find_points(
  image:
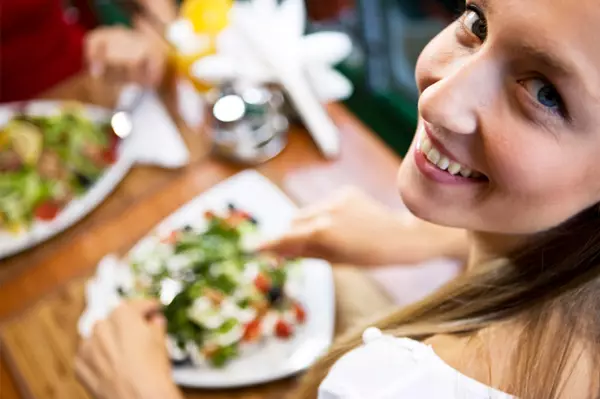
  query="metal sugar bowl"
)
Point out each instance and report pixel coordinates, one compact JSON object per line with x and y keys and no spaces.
{"x":247,"y":122}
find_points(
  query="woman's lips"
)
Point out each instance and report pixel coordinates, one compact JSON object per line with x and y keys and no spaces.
{"x":435,"y":163}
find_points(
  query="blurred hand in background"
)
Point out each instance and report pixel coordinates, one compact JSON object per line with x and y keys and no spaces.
{"x":120,"y":55}
{"x":355,"y":229}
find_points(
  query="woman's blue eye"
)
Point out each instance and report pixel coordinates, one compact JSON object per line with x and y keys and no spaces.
{"x":544,"y":93}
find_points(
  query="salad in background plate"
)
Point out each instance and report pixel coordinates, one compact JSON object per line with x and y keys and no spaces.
{"x":46,"y":161}
{"x":220,"y":299}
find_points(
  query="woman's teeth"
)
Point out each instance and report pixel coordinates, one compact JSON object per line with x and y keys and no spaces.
{"x":442,"y":162}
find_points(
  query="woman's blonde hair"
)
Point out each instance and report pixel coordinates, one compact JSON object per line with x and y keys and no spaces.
{"x":554,"y":277}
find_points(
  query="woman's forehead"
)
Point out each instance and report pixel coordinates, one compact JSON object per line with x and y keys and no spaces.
{"x":572,"y":22}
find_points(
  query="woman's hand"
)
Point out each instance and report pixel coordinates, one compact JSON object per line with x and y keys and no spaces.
{"x":126,"y":357}
{"x":353,"y":228}
{"x":125,"y":55}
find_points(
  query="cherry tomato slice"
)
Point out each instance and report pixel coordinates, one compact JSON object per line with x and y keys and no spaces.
{"x":242,"y":214}
{"x":170,"y":239}
{"x":263,"y":283}
{"x":109,"y":155}
{"x":283,"y":329}
{"x":234,"y":220}
{"x":46,"y":211}
{"x":300,"y":313}
{"x":252,"y":331}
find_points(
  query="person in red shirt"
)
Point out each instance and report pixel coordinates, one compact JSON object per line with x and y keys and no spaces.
{"x":42,"y":44}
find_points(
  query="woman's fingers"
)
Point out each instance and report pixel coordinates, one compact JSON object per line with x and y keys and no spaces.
{"x":337,"y":202}
{"x":87,"y":377}
{"x":312,"y":212}
{"x":92,"y":362}
{"x":126,"y":352}
{"x":159,"y":323}
{"x":123,"y":55}
{"x":154,"y":69}
{"x":95,"y":54}
{"x":121,"y":60}
{"x":104,"y":343}
{"x":144,"y":310}
{"x":137,"y":61}
{"x":302,"y":239}
{"x":143,"y":307}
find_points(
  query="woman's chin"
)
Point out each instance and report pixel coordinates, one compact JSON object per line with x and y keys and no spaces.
{"x":420,"y":201}
{"x":412,"y":197}
{"x":420,"y":207}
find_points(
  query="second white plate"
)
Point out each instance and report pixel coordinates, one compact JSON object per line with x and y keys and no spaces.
{"x":315,"y":289}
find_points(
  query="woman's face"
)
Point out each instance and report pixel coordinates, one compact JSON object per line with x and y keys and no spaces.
{"x":509,"y":131}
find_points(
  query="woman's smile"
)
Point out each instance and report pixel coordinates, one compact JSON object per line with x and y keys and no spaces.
{"x":435,"y":162}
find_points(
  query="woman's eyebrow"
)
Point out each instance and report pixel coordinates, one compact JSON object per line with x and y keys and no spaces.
{"x":558,"y":65}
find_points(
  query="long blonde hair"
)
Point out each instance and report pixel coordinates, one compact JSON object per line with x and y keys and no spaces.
{"x":554,"y":276}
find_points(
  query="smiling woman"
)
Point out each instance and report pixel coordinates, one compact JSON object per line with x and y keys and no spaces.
{"x":506,"y":148}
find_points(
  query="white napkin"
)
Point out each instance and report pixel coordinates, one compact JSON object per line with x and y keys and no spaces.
{"x":101,"y":293}
{"x":155,"y":139}
{"x":190,"y":103}
{"x":315,"y":54}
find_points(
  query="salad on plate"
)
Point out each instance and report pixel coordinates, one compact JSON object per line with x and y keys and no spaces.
{"x":46,"y":161}
{"x":219,"y":298}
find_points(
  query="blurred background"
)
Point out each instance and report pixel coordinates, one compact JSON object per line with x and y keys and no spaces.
{"x":388,"y":36}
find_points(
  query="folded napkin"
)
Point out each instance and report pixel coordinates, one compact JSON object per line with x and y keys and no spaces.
{"x":155,"y":139}
{"x":101,"y":293}
{"x":190,"y":103}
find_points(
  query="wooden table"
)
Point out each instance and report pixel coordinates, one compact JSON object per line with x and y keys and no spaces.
{"x":147,"y":195}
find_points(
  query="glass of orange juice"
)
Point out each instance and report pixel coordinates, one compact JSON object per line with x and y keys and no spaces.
{"x":186,"y":55}
{"x":205,"y":19}
{"x":207,"y":16}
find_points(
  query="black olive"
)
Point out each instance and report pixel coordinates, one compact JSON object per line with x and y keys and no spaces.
{"x":275,"y":294}
{"x":188,"y":229}
{"x":253,"y":221}
{"x":121,"y":292}
{"x":181,"y":362}
{"x":231,"y":207}
{"x":85,"y":181}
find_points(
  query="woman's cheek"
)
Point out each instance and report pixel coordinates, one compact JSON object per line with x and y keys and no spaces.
{"x":529,"y":171}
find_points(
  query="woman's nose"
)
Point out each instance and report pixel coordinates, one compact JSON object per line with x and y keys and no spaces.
{"x":455,"y":101}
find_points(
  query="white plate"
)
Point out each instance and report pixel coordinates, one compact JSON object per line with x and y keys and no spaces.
{"x":275,"y":359}
{"x":40,"y":231}
{"x":154,"y":141}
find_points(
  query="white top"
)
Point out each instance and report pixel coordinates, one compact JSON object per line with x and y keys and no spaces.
{"x":387,"y":367}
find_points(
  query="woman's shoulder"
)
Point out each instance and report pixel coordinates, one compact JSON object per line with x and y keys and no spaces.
{"x":386,"y":366}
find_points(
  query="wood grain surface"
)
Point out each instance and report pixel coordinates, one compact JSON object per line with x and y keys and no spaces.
{"x":40,"y":290}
